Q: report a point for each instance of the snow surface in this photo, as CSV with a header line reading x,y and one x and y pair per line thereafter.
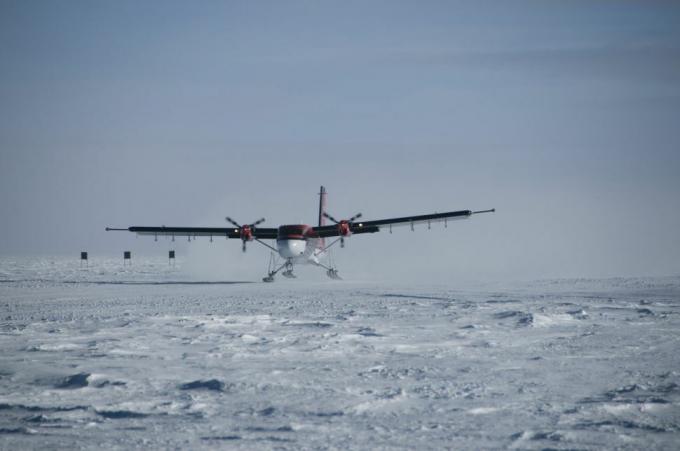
x,y
113,357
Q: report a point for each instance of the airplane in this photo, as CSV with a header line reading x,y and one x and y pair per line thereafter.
x,y
301,243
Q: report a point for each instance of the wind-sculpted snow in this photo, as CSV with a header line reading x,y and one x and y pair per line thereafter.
x,y
107,357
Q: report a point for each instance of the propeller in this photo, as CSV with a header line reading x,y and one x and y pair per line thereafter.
x,y
344,226
233,222
350,220
245,231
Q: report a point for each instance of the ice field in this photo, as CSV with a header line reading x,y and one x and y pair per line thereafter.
x,y
143,357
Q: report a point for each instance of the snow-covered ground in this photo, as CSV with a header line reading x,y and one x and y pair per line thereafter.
x,y
113,357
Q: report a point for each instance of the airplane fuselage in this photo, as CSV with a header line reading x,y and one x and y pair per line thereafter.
x,y
296,241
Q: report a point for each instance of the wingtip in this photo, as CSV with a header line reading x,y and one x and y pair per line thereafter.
x,y
492,210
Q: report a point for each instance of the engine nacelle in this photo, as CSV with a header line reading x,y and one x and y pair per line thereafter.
x,y
344,228
246,233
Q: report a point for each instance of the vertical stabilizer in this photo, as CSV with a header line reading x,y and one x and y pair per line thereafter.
x,y
322,210
322,206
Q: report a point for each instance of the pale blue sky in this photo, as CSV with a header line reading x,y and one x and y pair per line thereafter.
x,y
562,115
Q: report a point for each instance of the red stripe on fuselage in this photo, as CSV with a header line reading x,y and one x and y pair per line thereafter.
x,y
295,232
290,237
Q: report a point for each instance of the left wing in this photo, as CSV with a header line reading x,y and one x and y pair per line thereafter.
x,y
375,226
228,232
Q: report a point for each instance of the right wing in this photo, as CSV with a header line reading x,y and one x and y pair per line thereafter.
x,y
377,225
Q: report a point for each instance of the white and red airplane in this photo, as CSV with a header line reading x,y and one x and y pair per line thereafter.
x,y
301,243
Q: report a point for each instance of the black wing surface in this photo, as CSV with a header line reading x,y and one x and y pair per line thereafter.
x,y
228,232
332,230
375,226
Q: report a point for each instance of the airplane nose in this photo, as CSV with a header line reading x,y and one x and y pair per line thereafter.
x,y
291,248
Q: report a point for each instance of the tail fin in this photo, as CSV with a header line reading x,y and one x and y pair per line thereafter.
x,y
322,219
322,206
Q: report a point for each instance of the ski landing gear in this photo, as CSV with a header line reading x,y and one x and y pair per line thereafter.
x,y
289,271
287,268
288,265
330,271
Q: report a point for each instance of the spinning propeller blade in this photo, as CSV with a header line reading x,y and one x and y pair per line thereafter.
x,y
246,231
350,220
233,222
326,215
259,221
344,226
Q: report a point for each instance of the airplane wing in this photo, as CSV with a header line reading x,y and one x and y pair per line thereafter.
x,y
377,225
263,233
